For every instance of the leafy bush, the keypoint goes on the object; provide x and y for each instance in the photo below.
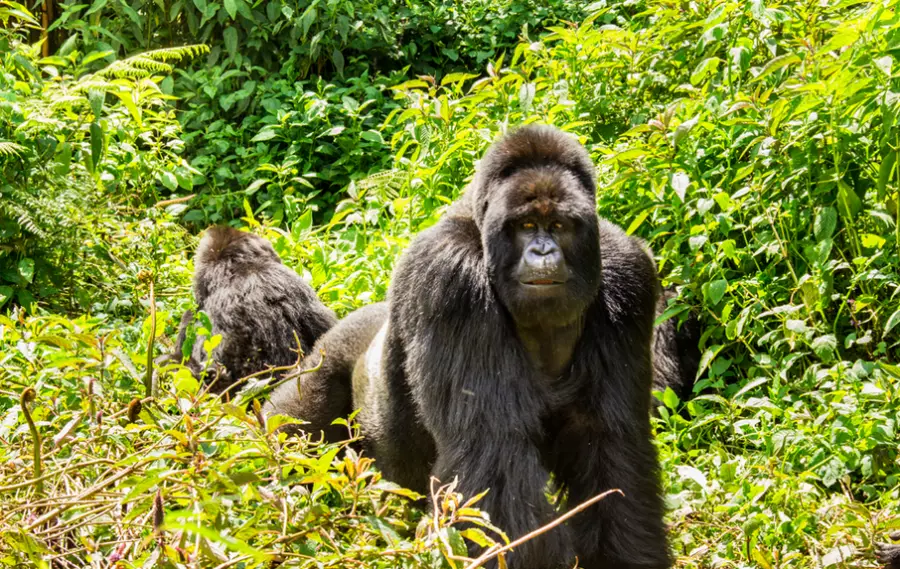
(73, 143)
(752, 145)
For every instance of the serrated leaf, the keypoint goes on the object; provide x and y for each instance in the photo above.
(775, 64)
(169, 180)
(231, 38)
(825, 223)
(231, 8)
(715, 291)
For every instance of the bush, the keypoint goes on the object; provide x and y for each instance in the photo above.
(89, 136)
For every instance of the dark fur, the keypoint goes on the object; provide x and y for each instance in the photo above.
(255, 303)
(324, 395)
(676, 351)
(887, 554)
(459, 390)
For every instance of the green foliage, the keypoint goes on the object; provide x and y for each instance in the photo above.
(752, 145)
(74, 139)
(144, 475)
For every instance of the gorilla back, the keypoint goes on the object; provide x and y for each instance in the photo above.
(259, 306)
(518, 344)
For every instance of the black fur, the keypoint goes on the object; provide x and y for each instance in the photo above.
(324, 395)
(476, 377)
(259, 306)
(676, 351)
(887, 554)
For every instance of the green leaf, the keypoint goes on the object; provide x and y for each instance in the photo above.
(885, 173)
(231, 8)
(95, 7)
(670, 399)
(849, 203)
(267, 133)
(775, 64)
(706, 68)
(6, 293)
(372, 136)
(96, 143)
(338, 59)
(26, 269)
(890, 325)
(825, 223)
(231, 38)
(95, 97)
(451, 78)
(715, 291)
(637, 222)
(169, 180)
(304, 223)
(683, 130)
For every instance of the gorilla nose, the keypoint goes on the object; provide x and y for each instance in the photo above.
(543, 257)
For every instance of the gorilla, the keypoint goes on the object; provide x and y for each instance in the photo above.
(887, 554)
(321, 391)
(260, 307)
(516, 348)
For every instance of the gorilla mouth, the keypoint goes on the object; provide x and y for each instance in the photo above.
(543, 282)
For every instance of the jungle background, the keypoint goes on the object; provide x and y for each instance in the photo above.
(754, 146)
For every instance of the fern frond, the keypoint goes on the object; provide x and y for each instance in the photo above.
(11, 148)
(177, 53)
(145, 64)
(388, 182)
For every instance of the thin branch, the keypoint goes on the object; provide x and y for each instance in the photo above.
(491, 553)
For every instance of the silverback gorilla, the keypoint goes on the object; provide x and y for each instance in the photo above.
(259, 306)
(518, 345)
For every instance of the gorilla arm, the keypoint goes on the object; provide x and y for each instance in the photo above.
(606, 442)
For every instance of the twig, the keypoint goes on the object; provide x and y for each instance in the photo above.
(491, 553)
(174, 201)
(148, 378)
(28, 395)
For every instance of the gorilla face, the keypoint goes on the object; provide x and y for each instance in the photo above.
(542, 246)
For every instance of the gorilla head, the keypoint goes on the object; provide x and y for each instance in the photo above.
(259, 306)
(536, 213)
(225, 253)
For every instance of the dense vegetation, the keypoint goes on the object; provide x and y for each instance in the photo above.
(754, 145)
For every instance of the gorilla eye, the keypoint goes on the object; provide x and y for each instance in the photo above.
(557, 225)
(528, 225)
